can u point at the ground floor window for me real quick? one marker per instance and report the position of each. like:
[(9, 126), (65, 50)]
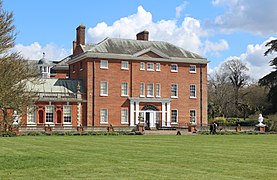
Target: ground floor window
[(124, 116), (193, 116), (31, 119), (104, 116), (67, 111), (49, 114), (174, 116)]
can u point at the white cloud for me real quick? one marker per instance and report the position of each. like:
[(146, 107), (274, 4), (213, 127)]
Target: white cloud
[(215, 47), (257, 63), (35, 51), (256, 17), (186, 35), (180, 9)]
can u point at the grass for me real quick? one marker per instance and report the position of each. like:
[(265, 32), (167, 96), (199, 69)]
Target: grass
[(139, 157)]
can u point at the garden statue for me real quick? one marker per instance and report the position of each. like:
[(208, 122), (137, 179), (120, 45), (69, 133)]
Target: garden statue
[(15, 118), (261, 119)]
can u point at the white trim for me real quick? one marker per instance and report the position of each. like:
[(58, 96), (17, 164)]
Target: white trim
[(125, 68), (175, 97), (142, 69), (142, 95), (192, 97), (158, 95), (125, 95), (67, 123), (177, 116), (195, 115), (193, 72), (104, 67), (152, 90), (107, 86), (174, 70), (152, 69), (107, 111), (123, 122), (158, 69)]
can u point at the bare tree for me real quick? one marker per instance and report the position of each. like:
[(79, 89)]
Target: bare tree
[(14, 73)]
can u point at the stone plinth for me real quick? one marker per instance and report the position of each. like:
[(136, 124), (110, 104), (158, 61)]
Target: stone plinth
[(261, 127), (141, 127)]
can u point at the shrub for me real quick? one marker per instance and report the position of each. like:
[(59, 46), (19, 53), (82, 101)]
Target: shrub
[(7, 134)]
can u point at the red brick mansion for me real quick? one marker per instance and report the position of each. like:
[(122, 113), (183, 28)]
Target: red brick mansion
[(121, 82)]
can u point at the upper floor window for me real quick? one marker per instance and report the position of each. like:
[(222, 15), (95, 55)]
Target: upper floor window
[(174, 67), (124, 65), (158, 90), (124, 89), (174, 90), (67, 111), (103, 116), (104, 64), (150, 66), (73, 68), (142, 89), (142, 66), (174, 116), (150, 90), (192, 116), (103, 88), (192, 68), (31, 118), (49, 117), (192, 89), (158, 67), (124, 116)]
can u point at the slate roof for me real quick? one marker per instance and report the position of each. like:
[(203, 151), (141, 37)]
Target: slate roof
[(130, 47)]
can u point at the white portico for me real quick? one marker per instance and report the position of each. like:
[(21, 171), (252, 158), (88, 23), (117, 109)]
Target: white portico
[(150, 113)]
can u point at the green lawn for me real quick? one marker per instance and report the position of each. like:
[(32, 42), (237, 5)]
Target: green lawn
[(139, 157)]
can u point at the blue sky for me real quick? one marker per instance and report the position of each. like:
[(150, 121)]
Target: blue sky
[(216, 29)]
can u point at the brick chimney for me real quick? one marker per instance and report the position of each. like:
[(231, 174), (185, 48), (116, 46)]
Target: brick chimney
[(143, 35), (80, 35)]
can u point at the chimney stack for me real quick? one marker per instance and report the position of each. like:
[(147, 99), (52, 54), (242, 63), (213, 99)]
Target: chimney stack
[(80, 35), (143, 35)]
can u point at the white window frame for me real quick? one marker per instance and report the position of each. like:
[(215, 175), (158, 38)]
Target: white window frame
[(104, 116), (104, 64), (194, 71), (191, 91), (176, 116), (124, 88), (104, 88), (158, 67), (124, 116), (150, 66), (31, 117), (190, 117), (142, 89), (174, 69), (47, 116), (142, 66), (125, 65), (150, 93), (158, 90), (174, 96), (67, 114)]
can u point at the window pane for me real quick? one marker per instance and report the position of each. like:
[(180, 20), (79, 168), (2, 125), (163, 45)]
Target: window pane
[(124, 65), (142, 66), (49, 114), (192, 91), (124, 115), (150, 66), (124, 89), (174, 67), (32, 114), (158, 67), (104, 88), (104, 115), (158, 90), (174, 115), (174, 90), (67, 114), (192, 116), (192, 68), (150, 90), (142, 89)]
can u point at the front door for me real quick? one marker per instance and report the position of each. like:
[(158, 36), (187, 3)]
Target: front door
[(147, 119)]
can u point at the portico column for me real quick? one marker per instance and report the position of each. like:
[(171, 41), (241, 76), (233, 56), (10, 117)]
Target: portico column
[(168, 114), (79, 114), (132, 120), (163, 114), (137, 112)]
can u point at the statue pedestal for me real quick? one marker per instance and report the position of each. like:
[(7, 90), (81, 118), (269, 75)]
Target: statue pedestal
[(141, 127), (261, 127)]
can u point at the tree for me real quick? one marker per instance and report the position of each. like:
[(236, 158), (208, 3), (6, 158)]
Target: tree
[(270, 80), (15, 72)]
